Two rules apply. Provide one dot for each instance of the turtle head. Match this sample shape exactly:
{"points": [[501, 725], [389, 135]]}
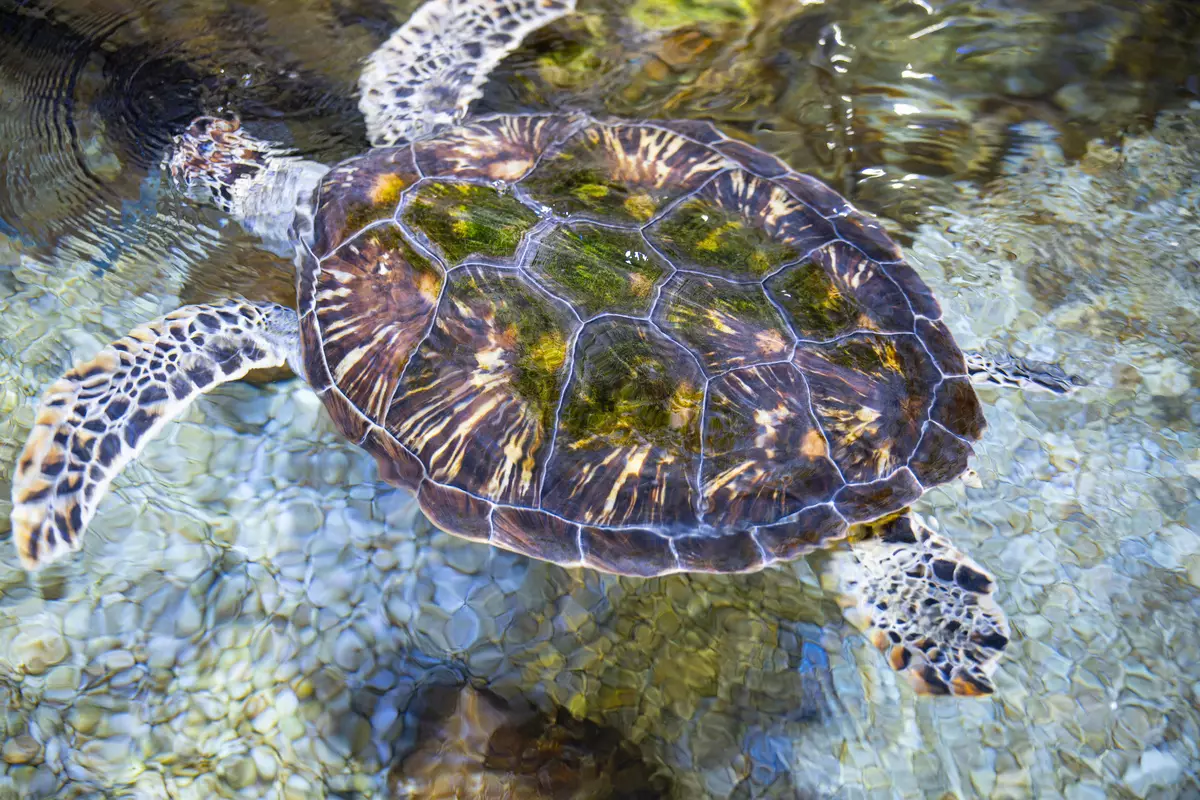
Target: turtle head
{"points": [[258, 183], [213, 157]]}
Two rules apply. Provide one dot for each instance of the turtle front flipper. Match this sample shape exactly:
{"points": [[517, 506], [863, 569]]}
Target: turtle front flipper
{"points": [[1002, 369], [98, 417], [256, 182], [429, 71], [925, 605]]}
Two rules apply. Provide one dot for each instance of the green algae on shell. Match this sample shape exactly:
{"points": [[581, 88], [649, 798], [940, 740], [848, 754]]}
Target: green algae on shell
{"points": [[728, 325], [713, 238], [633, 386], [815, 305], [465, 219], [600, 269]]}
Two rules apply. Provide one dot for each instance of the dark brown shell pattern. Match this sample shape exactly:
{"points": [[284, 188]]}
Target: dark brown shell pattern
{"points": [[637, 347]]}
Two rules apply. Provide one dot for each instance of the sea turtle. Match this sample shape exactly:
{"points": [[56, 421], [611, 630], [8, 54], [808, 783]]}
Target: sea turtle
{"points": [[640, 347]]}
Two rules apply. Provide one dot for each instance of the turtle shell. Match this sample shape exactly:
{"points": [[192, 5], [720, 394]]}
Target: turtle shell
{"points": [[639, 347]]}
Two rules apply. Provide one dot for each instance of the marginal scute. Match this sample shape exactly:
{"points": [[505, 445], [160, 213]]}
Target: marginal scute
{"points": [[465, 219], [314, 359], [729, 551], [396, 465], [455, 511], [629, 430], [360, 191], [815, 194], [940, 457], [628, 551], [536, 534], [739, 226], [728, 325], [764, 456], [503, 149], [621, 173], [871, 395], [489, 373], [919, 296], [867, 235], [801, 533], [599, 269], [700, 130], [957, 408], [867, 501], [375, 297], [348, 419], [752, 159], [941, 346]]}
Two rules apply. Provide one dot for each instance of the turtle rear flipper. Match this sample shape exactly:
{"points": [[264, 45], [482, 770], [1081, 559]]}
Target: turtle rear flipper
{"points": [[925, 605], [429, 71], [98, 417], [1002, 369]]}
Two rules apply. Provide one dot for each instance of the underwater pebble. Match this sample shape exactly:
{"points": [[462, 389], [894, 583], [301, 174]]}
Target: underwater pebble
{"points": [[1155, 768], [265, 763], [36, 648], [19, 749]]}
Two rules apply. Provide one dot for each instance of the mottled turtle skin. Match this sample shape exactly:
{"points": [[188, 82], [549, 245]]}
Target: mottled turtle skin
{"points": [[640, 347]]}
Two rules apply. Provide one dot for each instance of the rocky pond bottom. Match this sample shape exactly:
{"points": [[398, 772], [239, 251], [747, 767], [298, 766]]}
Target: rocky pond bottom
{"points": [[255, 615]]}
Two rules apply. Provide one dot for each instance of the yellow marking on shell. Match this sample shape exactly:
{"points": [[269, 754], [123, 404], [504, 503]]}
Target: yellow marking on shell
{"points": [[386, 190], [454, 448], [851, 424], [640, 284], [429, 285], [723, 479], [718, 321], [511, 170], [685, 403], [779, 205], [631, 469], [814, 445], [351, 359], [549, 352], [770, 342], [490, 359], [863, 272], [768, 422], [455, 406], [649, 163]]}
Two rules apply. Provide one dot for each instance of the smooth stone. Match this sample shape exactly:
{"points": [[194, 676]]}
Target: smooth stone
{"points": [[188, 619], [1156, 768], [292, 728], [20, 749], [264, 762], [266, 720], [349, 650], [117, 660], [297, 788], [286, 703], [37, 648], [462, 629], [238, 772]]}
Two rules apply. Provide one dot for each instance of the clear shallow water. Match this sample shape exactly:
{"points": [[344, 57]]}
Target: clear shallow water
{"points": [[255, 613]]}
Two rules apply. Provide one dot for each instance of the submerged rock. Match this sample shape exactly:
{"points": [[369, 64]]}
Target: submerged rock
{"points": [[473, 744]]}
